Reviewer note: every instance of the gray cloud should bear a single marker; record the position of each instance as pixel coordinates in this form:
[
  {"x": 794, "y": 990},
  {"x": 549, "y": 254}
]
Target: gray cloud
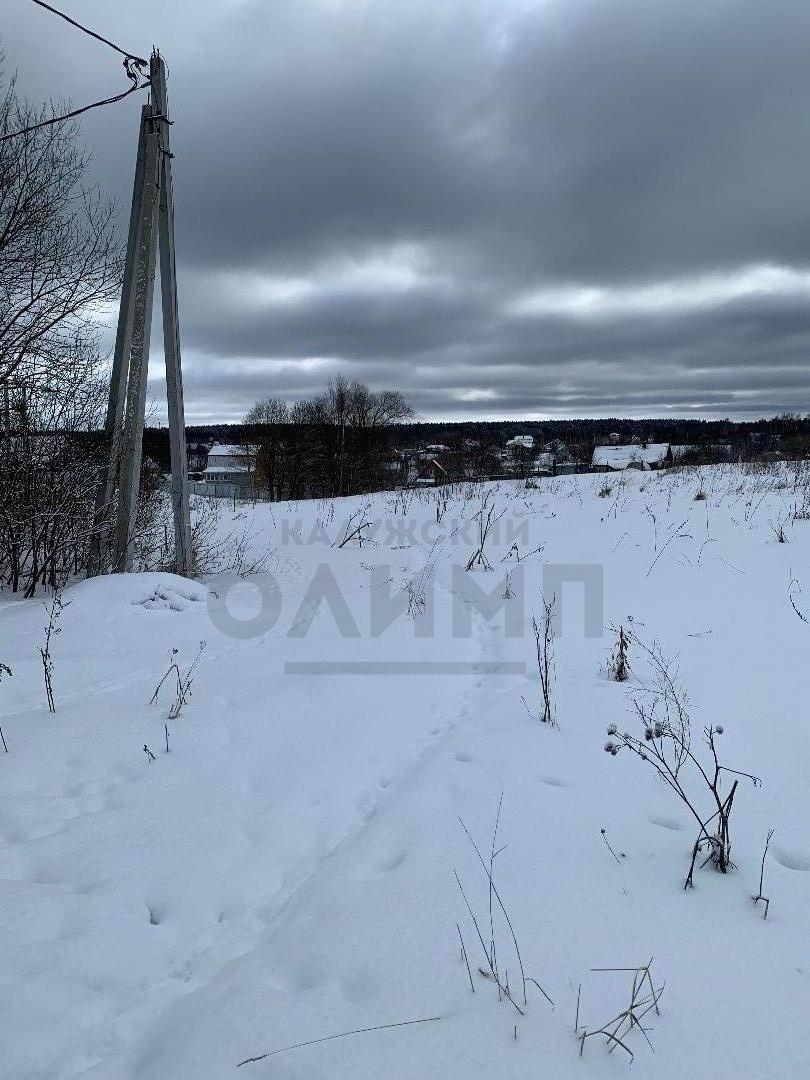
[{"x": 501, "y": 207}]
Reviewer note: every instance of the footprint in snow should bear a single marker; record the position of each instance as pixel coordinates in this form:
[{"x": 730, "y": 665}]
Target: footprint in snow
[
  {"x": 666, "y": 823},
  {"x": 553, "y": 781},
  {"x": 306, "y": 975},
  {"x": 792, "y": 859},
  {"x": 358, "y": 985},
  {"x": 392, "y": 861}
]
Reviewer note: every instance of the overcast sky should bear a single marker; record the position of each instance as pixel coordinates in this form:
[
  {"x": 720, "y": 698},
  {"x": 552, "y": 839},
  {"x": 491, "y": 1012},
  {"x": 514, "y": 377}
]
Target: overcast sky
[{"x": 503, "y": 208}]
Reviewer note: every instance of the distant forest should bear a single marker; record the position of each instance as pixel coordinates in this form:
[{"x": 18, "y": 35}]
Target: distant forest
[{"x": 791, "y": 433}]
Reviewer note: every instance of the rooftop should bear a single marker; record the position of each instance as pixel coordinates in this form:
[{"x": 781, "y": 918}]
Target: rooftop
[{"x": 620, "y": 457}]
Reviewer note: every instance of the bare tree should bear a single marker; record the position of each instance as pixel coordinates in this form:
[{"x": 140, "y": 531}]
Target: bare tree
[
  {"x": 333, "y": 444},
  {"x": 48, "y": 462},
  {"x": 269, "y": 410},
  {"x": 268, "y": 443},
  {"x": 59, "y": 256},
  {"x": 59, "y": 264}
]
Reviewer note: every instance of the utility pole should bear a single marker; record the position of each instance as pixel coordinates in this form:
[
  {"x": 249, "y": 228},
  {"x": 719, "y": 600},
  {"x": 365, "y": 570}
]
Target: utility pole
[{"x": 151, "y": 228}]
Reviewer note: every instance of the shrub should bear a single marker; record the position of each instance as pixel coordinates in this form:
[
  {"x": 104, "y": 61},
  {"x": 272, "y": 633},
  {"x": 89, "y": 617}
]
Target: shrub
[
  {"x": 618, "y": 665},
  {"x": 665, "y": 744}
]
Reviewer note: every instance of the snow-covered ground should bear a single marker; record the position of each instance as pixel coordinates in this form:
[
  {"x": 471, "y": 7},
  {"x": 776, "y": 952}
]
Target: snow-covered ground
[{"x": 286, "y": 872}]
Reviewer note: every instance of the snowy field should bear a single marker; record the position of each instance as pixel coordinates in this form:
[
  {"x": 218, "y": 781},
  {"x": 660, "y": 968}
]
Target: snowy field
[{"x": 287, "y": 871}]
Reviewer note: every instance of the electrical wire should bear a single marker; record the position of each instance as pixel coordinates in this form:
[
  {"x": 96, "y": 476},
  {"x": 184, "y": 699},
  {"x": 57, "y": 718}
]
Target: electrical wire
[
  {"x": 135, "y": 67},
  {"x": 86, "y": 30},
  {"x": 74, "y": 112}
]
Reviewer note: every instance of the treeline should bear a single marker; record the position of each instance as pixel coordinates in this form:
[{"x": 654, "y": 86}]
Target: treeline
[
  {"x": 336, "y": 443},
  {"x": 593, "y": 432},
  {"x": 788, "y": 433}
]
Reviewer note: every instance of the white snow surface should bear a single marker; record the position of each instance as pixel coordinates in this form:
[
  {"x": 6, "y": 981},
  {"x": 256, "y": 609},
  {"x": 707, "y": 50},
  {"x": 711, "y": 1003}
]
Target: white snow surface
[{"x": 286, "y": 871}]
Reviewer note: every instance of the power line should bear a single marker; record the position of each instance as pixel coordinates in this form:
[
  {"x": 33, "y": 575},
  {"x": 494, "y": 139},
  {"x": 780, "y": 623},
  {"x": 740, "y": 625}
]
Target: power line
[
  {"x": 135, "y": 66},
  {"x": 74, "y": 112},
  {"x": 92, "y": 33}
]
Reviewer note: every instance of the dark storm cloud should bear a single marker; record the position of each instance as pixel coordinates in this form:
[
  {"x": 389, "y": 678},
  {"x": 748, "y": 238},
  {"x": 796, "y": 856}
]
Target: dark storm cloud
[
  {"x": 501, "y": 207},
  {"x": 363, "y": 325}
]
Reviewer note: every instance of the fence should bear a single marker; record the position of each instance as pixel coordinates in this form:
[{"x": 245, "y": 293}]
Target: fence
[{"x": 222, "y": 490}]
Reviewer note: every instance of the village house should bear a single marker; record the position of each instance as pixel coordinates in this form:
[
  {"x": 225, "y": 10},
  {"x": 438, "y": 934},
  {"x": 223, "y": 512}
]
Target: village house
[
  {"x": 635, "y": 456},
  {"x": 517, "y": 455},
  {"x": 520, "y": 442},
  {"x": 232, "y": 465},
  {"x": 430, "y": 474},
  {"x": 412, "y": 461},
  {"x": 543, "y": 464}
]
